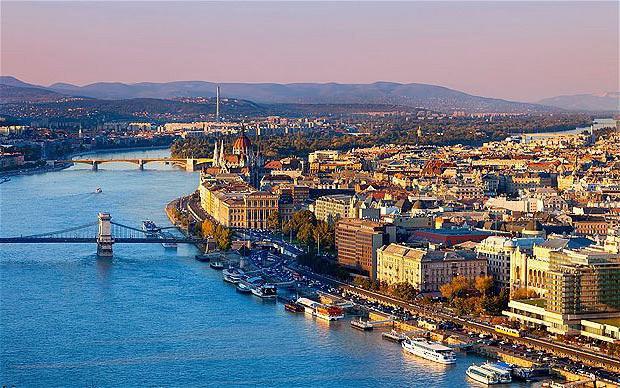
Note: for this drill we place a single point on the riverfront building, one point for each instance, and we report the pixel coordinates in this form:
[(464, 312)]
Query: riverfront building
[(234, 203), (424, 269), (357, 242), (582, 293), (331, 208)]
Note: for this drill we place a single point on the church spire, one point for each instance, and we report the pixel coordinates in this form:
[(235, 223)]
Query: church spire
[(215, 156)]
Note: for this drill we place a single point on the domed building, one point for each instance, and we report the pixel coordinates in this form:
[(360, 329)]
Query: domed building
[(242, 160)]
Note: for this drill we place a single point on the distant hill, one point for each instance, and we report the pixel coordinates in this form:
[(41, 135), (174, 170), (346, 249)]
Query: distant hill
[(585, 102), (412, 95), (15, 94)]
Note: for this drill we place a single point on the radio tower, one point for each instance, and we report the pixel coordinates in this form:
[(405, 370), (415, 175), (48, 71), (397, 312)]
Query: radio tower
[(217, 103)]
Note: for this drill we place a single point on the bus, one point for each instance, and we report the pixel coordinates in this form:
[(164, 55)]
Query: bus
[(509, 331)]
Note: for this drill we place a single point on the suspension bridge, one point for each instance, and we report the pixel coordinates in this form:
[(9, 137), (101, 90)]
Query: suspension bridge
[(188, 164), (105, 233)]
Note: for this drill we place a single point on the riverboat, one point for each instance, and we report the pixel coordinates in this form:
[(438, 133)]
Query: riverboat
[(231, 275), (294, 307), (482, 375), (358, 324), (431, 351), (243, 288), (266, 291), (393, 336)]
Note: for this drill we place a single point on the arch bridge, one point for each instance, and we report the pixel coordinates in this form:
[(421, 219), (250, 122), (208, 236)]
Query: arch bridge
[(190, 164)]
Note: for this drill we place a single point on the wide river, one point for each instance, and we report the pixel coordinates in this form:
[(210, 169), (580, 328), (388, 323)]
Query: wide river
[(150, 317)]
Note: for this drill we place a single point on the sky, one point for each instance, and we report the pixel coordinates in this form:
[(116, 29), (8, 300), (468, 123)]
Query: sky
[(520, 51)]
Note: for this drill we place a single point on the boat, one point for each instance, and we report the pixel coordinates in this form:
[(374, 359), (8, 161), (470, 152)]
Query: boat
[(329, 312), (243, 288), (503, 371), (202, 257), (482, 375), (308, 304), (266, 291), (232, 275), (166, 244), (98, 190), (150, 228), (323, 311), (533, 373), (294, 307), (429, 350), (393, 336), (361, 325), (216, 265)]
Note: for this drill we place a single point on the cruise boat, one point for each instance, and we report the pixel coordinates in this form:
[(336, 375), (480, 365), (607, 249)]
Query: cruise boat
[(482, 375), (150, 228), (294, 307), (503, 370), (232, 275), (266, 291), (432, 351), (243, 288)]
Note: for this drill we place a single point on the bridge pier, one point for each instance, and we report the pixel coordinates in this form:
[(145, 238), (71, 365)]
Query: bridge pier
[(190, 165), (104, 236), (141, 164), (95, 165)]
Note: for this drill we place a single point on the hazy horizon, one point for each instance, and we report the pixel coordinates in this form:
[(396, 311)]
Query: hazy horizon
[(514, 51)]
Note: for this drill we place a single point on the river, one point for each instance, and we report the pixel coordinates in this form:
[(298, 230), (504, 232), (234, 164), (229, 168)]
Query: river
[(151, 317)]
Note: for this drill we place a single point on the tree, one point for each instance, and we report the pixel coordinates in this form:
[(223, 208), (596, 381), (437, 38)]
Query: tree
[(524, 293), (324, 234), (483, 284), (223, 237), (404, 291), (273, 221), (305, 234), (208, 228)]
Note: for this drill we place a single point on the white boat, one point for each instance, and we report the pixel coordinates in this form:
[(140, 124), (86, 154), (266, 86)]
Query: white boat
[(168, 245), (431, 351), (503, 372), (266, 291), (243, 288), (482, 375), (232, 275), (98, 190), (150, 228)]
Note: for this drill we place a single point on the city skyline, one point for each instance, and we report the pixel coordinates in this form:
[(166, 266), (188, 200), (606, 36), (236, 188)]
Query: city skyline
[(521, 52)]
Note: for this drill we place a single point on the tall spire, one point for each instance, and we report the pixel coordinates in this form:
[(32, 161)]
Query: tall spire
[(215, 156), (217, 103), (222, 161)]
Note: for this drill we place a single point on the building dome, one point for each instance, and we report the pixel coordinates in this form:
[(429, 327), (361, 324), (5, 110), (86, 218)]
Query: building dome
[(242, 145)]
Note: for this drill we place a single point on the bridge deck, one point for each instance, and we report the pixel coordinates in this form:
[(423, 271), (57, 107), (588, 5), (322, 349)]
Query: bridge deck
[(93, 240)]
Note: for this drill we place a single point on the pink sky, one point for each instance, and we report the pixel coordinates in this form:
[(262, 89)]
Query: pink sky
[(520, 51)]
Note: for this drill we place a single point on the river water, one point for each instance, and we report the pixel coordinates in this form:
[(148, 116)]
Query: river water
[(151, 317)]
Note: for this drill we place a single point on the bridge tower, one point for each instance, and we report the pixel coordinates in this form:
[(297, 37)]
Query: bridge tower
[(104, 236)]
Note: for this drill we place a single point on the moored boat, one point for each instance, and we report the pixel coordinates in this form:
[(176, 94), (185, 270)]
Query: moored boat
[(503, 371), (329, 312), (393, 336), (243, 288), (216, 265), (361, 325), (482, 375), (266, 291), (231, 275), (429, 350), (294, 307)]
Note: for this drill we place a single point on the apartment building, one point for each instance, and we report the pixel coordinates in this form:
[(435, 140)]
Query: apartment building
[(424, 269), (357, 242)]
